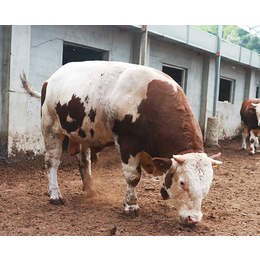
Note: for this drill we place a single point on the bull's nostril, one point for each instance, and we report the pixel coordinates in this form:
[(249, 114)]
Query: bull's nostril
[(192, 220)]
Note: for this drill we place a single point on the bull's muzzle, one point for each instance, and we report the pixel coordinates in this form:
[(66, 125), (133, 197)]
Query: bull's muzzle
[(191, 219)]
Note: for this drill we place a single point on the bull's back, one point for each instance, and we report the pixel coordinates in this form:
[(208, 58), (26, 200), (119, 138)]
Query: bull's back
[(87, 97)]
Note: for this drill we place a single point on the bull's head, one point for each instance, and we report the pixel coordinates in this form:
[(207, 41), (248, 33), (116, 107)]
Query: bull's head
[(187, 180), (257, 111)]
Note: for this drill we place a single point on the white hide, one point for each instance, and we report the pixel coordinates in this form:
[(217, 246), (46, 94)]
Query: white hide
[(257, 110), (197, 173), (117, 91)]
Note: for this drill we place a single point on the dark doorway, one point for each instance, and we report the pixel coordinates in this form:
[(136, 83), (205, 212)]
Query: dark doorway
[(78, 53)]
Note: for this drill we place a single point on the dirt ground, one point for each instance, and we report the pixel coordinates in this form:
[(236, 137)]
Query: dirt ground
[(231, 208)]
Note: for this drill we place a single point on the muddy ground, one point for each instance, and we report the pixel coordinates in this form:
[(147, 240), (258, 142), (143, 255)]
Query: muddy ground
[(231, 208)]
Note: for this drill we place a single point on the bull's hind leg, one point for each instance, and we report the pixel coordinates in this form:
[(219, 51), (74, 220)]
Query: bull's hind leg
[(132, 173), (53, 139), (84, 159), (53, 144)]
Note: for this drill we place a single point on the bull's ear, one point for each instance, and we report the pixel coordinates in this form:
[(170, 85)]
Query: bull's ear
[(162, 164)]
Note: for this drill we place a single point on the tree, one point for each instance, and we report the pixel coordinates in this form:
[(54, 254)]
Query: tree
[(213, 29), (233, 37), (254, 44)]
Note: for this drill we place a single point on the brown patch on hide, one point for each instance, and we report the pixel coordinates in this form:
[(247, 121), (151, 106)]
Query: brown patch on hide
[(92, 132), (166, 125), (82, 133), (92, 115), (75, 110), (168, 180)]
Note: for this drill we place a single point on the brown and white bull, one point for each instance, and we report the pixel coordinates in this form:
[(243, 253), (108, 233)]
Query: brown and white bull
[(139, 109), (250, 115)]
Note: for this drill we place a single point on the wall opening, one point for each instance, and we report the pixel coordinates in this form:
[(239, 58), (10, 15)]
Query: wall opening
[(72, 52), (177, 73), (226, 90)]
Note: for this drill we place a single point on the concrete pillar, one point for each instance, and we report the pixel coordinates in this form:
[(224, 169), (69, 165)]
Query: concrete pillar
[(141, 49), (144, 40), (4, 101), (17, 48), (212, 132), (207, 91), (136, 48), (247, 84), (249, 91)]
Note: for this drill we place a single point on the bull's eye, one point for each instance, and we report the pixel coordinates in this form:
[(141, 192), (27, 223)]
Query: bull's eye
[(182, 184)]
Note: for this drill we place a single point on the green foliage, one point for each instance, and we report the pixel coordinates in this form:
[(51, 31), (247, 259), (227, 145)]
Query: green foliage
[(234, 34), (213, 29)]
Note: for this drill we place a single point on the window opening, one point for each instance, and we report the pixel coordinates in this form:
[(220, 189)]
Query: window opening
[(226, 90), (73, 52), (178, 74)]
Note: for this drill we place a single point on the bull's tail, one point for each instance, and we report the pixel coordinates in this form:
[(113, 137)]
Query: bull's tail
[(28, 87)]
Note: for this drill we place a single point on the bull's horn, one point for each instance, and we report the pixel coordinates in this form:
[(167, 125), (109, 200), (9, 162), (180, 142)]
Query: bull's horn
[(215, 162), (178, 158)]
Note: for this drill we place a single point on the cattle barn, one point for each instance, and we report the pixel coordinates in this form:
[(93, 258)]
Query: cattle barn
[(185, 53)]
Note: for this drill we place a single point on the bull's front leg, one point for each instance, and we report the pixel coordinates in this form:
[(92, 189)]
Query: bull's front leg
[(252, 142), (132, 173), (257, 145), (84, 160), (244, 136)]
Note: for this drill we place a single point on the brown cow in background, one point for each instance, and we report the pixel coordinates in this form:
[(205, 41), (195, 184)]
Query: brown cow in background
[(250, 115)]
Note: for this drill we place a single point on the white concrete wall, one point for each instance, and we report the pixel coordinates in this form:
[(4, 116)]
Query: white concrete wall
[(16, 47)]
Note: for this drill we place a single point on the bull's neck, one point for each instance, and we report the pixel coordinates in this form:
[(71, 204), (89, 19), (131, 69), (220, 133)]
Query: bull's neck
[(181, 145)]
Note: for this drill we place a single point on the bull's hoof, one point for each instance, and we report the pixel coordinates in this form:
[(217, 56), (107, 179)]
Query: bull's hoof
[(243, 148), (91, 193), (132, 210), (57, 201), (251, 153)]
